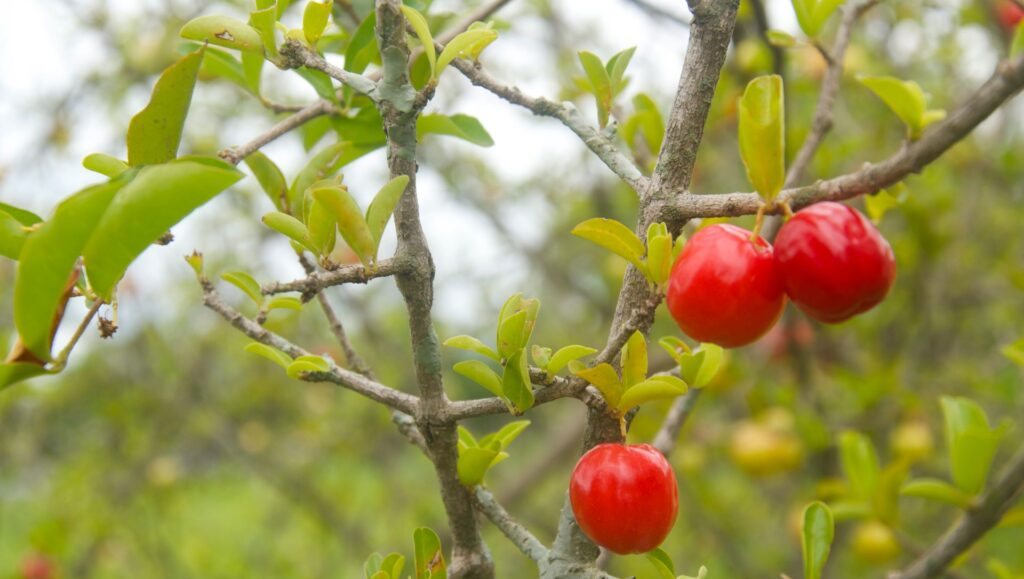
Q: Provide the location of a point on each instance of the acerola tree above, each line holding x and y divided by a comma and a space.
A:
726, 287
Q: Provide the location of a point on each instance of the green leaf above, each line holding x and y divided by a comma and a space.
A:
264, 21
1017, 46
812, 14
466, 439
507, 433
817, 533
851, 510
155, 132
604, 378
273, 354
26, 218
659, 253
473, 345
675, 347
362, 49
780, 38
246, 283
662, 563
713, 357
1015, 352
906, 99
473, 463
103, 164
12, 235
936, 490
321, 166
762, 135
383, 205
563, 356
462, 126
459, 46
419, 24
314, 20
321, 223
392, 565
616, 68
48, 257
648, 122
972, 443
289, 226
654, 388
157, 198
223, 31
252, 71
541, 356
270, 178
350, 219
321, 83
284, 303
634, 360
510, 334
480, 373
860, 464
599, 82
306, 364
12, 373
516, 384
614, 237
880, 203
429, 556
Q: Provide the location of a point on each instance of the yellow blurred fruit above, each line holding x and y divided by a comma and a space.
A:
912, 440
875, 543
766, 446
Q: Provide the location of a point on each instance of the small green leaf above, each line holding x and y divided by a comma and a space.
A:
516, 384
155, 132
223, 31
321, 223
713, 357
654, 388
383, 205
616, 68
510, 334
429, 556
860, 464
350, 219
780, 38
289, 226
615, 237
306, 364
563, 356
26, 218
972, 443
284, 303
905, 99
1017, 46
465, 41
419, 24
1015, 352
482, 374
662, 563
159, 197
851, 510
105, 164
541, 356
937, 490
880, 203
762, 135
818, 531
314, 20
362, 49
605, 379
392, 566
12, 373
466, 439
659, 253
12, 235
321, 166
270, 178
473, 345
273, 354
508, 433
246, 283
599, 82
634, 360
473, 463
675, 347
264, 21
321, 83
461, 126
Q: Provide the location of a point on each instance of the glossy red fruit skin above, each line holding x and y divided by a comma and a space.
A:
624, 497
834, 263
724, 288
1010, 14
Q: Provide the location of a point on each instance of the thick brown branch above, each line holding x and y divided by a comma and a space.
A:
319, 280
972, 526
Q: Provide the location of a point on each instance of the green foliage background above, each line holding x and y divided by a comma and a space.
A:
166, 452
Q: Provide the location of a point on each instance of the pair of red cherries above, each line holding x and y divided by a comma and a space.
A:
729, 287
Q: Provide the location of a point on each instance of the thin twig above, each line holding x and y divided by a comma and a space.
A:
659, 12
520, 536
678, 413
62, 358
317, 281
299, 54
234, 155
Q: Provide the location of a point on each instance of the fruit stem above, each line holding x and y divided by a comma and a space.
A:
759, 222
787, 210
622, 426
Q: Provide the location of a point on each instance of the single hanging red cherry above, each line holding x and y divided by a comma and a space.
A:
724, 288
834, 263
624, 497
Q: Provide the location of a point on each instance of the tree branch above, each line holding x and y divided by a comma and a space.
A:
317, 281
596, 141
678, 413
520, 536
298, 54
234, 155
659, 12
972, 526
378, 392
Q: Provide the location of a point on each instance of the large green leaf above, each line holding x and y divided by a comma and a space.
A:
155, 200
860, 464
223, 31
763, 135
155, 132
48, 257
12, 235
818, 531
462, 126
906, 99
383, 205
654, 388
473, 345
429, 557
615, 237
972, 443
350, 221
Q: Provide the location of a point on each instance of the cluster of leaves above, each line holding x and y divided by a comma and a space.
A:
654, 260
605, 80
428, 559
477, 457
296, 368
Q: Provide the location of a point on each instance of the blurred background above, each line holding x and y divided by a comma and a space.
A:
169, 452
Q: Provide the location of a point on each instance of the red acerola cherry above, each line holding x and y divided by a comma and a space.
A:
1010, 14
724, 288
833, 262
35, 566
624, 497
